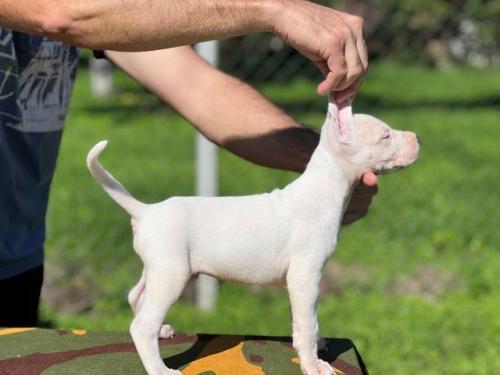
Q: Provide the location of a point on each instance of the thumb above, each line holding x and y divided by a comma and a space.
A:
369, 179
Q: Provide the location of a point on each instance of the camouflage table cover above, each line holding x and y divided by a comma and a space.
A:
29, 351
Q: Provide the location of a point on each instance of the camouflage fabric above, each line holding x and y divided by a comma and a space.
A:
28, 351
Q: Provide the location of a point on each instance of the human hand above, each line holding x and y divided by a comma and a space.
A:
331, 39
361, 198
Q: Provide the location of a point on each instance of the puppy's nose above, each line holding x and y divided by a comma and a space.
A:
418, 140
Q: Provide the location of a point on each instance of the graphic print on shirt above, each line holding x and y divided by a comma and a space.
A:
8, 76
36, 79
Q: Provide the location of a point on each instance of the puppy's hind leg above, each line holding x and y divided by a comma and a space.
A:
164, 284
135, 300
136, 294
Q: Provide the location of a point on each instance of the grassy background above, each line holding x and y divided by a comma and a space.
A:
415, 284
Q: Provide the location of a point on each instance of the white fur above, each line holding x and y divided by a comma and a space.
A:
282, 237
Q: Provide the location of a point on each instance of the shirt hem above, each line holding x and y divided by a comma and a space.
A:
16, 268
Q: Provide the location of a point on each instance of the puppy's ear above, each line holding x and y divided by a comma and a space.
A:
339, 121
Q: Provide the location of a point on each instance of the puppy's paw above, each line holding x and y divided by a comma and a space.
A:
318, 367
166, 332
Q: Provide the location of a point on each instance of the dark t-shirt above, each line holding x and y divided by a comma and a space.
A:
36, 80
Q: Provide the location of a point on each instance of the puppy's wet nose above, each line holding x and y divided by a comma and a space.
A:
419, 141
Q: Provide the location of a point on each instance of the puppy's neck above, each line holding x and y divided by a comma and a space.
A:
325, 179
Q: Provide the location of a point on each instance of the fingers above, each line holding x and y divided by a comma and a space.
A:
359, 204
344, 67
362, 51
331, 39
337, 69
347, 61
350, 218
358, 31
361, 199
369, 179
350, 92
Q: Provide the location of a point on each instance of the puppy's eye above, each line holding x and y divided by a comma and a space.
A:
386, 136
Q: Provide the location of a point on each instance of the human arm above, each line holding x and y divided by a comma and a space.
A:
136, 25
333, 40
226, 110
232, 114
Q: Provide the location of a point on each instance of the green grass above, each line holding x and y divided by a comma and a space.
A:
441, 214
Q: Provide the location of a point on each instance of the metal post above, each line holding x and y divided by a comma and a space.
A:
101, 77
206, 185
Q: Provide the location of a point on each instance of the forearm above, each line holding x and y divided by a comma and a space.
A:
130, 25
227, 111
240, 119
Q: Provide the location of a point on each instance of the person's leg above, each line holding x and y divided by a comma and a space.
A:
20, 296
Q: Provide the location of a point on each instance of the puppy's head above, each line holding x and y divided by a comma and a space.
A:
363, 142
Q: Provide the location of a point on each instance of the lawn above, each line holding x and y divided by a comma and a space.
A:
415, 284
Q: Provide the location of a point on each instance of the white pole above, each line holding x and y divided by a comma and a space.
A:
206, 184
101, 77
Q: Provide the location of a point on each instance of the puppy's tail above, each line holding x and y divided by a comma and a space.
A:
110, 185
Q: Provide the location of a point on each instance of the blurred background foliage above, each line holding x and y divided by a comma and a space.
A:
435, 33
415, 284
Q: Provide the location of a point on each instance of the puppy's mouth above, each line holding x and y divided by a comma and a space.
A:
383, 171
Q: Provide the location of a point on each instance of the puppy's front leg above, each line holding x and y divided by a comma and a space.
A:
303, 289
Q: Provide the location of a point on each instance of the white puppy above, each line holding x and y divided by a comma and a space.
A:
283, 237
